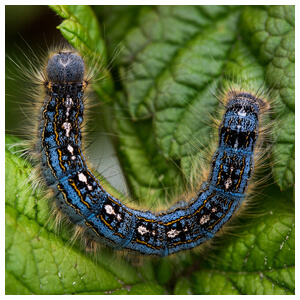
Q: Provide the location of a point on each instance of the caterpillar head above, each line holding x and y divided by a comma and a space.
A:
65, 66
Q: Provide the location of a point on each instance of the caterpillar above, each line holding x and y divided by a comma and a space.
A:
81, 197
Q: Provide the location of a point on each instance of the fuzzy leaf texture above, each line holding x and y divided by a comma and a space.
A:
174, 60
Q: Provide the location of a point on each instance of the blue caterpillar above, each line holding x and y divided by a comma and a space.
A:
80, 196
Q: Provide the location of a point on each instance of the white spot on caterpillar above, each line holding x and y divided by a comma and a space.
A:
70, 149
204, 219
236, 144
68, 105
242, 113
64, 63
214, 209
119, 218
109, 209
67, 126
142, 230
82, 177
172, 233
73, 157
90, 188
68, 102
228, 183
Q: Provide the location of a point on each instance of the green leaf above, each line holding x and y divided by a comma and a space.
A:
80, 27
137, 149
117, 20
161, 94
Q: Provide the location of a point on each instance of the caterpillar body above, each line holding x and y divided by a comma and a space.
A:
81, 197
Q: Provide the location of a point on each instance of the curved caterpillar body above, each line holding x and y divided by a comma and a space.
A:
80, 196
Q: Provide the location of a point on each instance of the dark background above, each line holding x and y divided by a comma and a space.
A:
34, 25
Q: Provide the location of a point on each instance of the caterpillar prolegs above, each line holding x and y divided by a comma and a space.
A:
80, 196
